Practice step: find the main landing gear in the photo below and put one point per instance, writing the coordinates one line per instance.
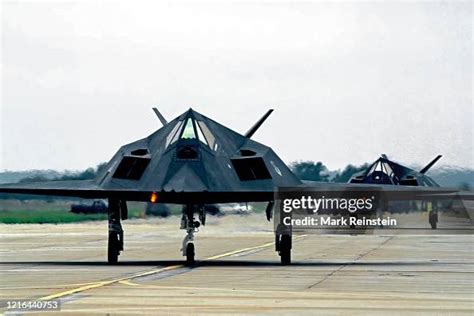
(283, 246)
(117, 211)
(433, 219)
(191, 226)
(432, 208)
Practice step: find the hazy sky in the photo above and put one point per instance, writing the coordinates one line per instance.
(348, 81)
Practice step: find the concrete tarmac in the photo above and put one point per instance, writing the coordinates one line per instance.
(237, 272)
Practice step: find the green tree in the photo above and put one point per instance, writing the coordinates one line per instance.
(88, 174)
(309, 170)
(347, 172)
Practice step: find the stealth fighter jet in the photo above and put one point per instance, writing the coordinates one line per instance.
(386, 171)
(192, 161)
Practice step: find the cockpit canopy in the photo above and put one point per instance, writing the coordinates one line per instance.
(191, 128)
(382, 172)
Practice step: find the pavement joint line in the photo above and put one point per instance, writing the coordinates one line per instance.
(360, 256)
(321, 295)
(147, 273)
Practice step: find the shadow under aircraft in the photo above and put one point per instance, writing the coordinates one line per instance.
(191, 160)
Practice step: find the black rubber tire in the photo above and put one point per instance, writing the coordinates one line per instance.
(190, 253)
(433, 217)
(112, 249)
(285, 249)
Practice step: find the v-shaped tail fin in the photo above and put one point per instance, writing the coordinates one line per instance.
(160, 117)
(257, 125)
(428, 166)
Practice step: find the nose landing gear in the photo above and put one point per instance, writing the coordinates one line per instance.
(191, 226)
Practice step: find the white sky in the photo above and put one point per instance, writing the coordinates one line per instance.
(348, 81)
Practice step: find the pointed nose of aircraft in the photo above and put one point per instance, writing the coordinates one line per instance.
(187, 171)
(185, 178)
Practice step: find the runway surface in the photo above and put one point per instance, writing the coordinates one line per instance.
(237, 272)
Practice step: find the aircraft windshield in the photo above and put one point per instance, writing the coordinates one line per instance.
(201, 135)
(173, 135)
(188, 132)
(192, 129)
(211, 140)
(381, 167)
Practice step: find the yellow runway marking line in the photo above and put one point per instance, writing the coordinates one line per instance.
(76, 290)
(227, 254)
(104, 283)
(230, 253)
(126, 280)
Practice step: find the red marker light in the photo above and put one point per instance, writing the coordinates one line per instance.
(153, 197)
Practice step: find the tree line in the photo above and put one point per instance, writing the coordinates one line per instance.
(317, 171)
(88, 174)
(305, 170)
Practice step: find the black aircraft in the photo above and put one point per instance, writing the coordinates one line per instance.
(192, 161)
(385, 171)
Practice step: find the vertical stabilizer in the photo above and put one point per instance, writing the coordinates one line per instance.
(257, 125)
(428, 166)
(160, 117)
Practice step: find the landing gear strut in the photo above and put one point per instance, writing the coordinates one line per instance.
(191, 226)
(283, 246)
(433, 219)
(432, 208)
(117, 211)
